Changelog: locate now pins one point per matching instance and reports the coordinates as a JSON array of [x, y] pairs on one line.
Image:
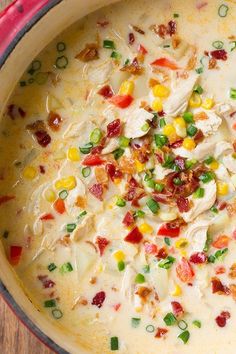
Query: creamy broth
[[118, 177]]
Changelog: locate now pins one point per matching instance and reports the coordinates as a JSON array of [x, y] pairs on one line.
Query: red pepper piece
[[128, 219], [183, 204], [184, 271], [134, 236], [99, 299], [169, 229], [198, 258], [142, 50], [114, 128], [97, 191], [92, 160], [106, 92], [131, 38], [218, 287], [47, 217], [165, 63], [222, 318], [177, 308], [6, 198], [161, 332], [46, 282], [121, 101], [15, 254], [59, 206], [219, 54], [102, 243], [43, 138]]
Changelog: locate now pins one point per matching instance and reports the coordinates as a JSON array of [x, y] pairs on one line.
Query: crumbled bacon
[[54, 121], [162, 253], [222, 318], [131, 38], [14, 112], [46, 282], [184, 271], [232, 271], [134, 68], [212, 63], [102, 243], [177, 308], [232, 288], [142, 152], [106, 92], [198, 258], [183, 204], [112, 171], [114, 128], [220, 270], [43, 138], [97, 190], [150, 248], [218, 287], [161, 332], [6, 198], [198, 137], [99, 299], [102, 23], [138, 29], [101, 174], [176, 144], [128, 219], [42, 169], [143, 292], [90, 52], [219, 54], [172, 27], [35, 126], [163, 30]]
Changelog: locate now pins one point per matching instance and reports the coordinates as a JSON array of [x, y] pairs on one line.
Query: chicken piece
[[161, 172], [100, 74], [222, 148], [83, 229], [228, 112], [230, 163], [135, 122], [160, 281], [196, 233], [111, 145], [128, 285], [80, 130], [211, 124]]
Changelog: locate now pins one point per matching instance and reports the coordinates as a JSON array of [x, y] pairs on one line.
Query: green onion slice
[[135, 322], [218, 44], [182, 325], [197, 323], [57, 314], [95, 136], [184, 336], [118, 153], [86, 148], [121, 266], [63, 194], [170, 319], [61, 62], [114, 343], [109, 44], [153, 205], [50, 303], [223, 10], [150, 328], [123, 141], [166, 263], [70, 227], [66, 268], [233, 93], [86, 171], [139, 279], [52, 267], [61, 46], [35, 66]]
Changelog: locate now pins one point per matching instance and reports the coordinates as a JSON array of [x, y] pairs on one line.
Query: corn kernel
[[160, 91], [222, 188], [181, 243], [73, 154], [119, 255], [126, 88], [29, 172], [50, 195], [169, 130], [67, 183], [208, 103], [180, 121], [183, 253], [157, 105], [214, 165], [195, 100], [177, 290], [189, 144], [117, 181], [145, 228], [139, 166], [100, 268]]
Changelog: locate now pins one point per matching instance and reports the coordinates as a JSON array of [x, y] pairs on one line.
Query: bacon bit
[[37, 125], [43, 138], [47, 217], [92, 160], [116, 307], [162, 253], [134, 236], [97, 191], [101, 175], [183, 204], [231, 209], [128, 219], [201, 4], [99, 299], [161, 332], [221, 242], [59, 206], [199, 137], [220, 270], [222, 318], [134, 68], [177, 308], [153, 82], [212, 63], [184, 271], [102, 243], [114, 128], [65, 240], [137, 29], [150, 248], [222, 205], [219, 54], [166, 63], [15, 254], [134, 194], [14, 112], [42, 169], [90, 52], [143, 292], [106, 92], [218, 287], [131, 38], [81, 202], [93, 280], [102, 23], [234, 145], [160, 30], [191, 62], [176, 144], [232, 271], [54, 121], [200, 116], [113, 172], [163, 30], [176, 40], [82, 301], [6, 198], [142, 50], [232, 288], [198, 258], [172, 27], [46, 282]]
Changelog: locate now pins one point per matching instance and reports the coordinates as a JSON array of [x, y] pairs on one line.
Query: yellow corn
[[208, 103], [177, 290], [183, 253], [160, 91], [117, 181], [195, 100], [157, 104], [67, 183], [73, 154], [222, 188], [50, 195], [189, 144], [119, 255], [181, 243], [180, 127], [30, 172], [169, 130], [180, 121], [139, 166], [126, 88], [145, 228], [214, 165]]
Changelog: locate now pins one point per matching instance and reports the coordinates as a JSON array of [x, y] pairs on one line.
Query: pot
[[26, 27]]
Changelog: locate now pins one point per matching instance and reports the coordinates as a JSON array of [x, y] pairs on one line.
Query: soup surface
[[118, 178]]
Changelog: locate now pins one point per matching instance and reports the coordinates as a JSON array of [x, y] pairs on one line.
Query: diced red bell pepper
[[121, 101], [177, 308], [198, 258], [169, 230], [112, 171], [150, 248], [134, 236], [114, 128], [102, 243], [97, 191], [161, 332], [183, 204], [46, 217], [15, 254], [218, 287], [165, 63], [99, 299], [59, 206], [142, 50], [184, 271], [219, 54], [106, 92], [116, 307], [222, 318], [6, 198], [128, 219], [92, 160]]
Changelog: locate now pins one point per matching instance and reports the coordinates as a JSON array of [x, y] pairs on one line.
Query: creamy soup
[[118, 178]]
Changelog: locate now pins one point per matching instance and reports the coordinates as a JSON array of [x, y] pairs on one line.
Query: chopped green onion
[[114, 343], [148, 176], [5, 234], [190, 163], [211, 259], [208, 242], [199, 193], [150, 328], [177, 181], [223, 10], [61, 46], [83, 213], [188, 117], [23, 83], [182, 325], [220, 254], [166, 46], [35, 66], [86, 148], [214, 209], [116, 55], [191, 130], [41, 78], [169, 161], [160, 140], [176, 15], [218, 44], [162, 122], [199, 70], [50, 303], [127, 62], [70, 227], [146, 268], [153, 205], [209, 160], [159, 187], [166, 263], [57, 314], [121, 266], [135, 322], [108, 44], [234, 45], [233, 93], [206, 177], [52, 267], [63, 194], [197, 323], [118, 153], [151, 183], [170, 319], [61, 62], [86, 171], [139, 214], [120, 202], [95, 136], [145, 127], [184, 336], [123, 141], [167, 241], [198, 89], [139, 279], [66, 268]]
